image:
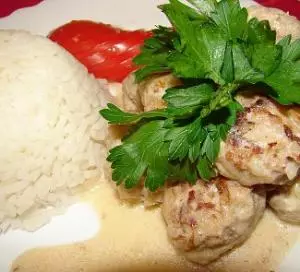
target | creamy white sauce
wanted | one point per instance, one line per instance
(134, 239)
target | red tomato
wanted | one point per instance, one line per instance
(107, 52)
(291, 6)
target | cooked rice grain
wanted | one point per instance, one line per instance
(49, 112)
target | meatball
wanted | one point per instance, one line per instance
(263, 146)
(147, 95)
(152, 90)
(280, 21)
(208, 219)
(286, 203)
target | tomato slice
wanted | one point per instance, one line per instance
(106, 51)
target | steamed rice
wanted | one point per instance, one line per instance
(49, 119)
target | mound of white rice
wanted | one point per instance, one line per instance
(48, 108)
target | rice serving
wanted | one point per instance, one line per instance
(49, 111)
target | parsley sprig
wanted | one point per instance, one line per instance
(215, 50)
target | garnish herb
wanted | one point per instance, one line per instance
(215, 50)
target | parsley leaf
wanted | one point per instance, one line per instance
(216, 126)
(215, 50)
(243, 71)
(203, 6)
(179, 142)
(205, 169)
(184, 170)
(266, 57)
(231, 19)
(260, 32)
(142, 153)
(188, 96)
(285, 79)
(116, 116)
(202, 46)
(155, 52)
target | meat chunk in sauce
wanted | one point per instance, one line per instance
(263, 147)
(206, 220)
(285, 202)
(147, 95)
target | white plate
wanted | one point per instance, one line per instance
(81, 218)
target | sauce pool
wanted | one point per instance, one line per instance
(134, 239)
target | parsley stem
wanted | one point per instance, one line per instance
(223, 97)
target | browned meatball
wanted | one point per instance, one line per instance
(208, 219)
(147, 95)
(263, 146)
